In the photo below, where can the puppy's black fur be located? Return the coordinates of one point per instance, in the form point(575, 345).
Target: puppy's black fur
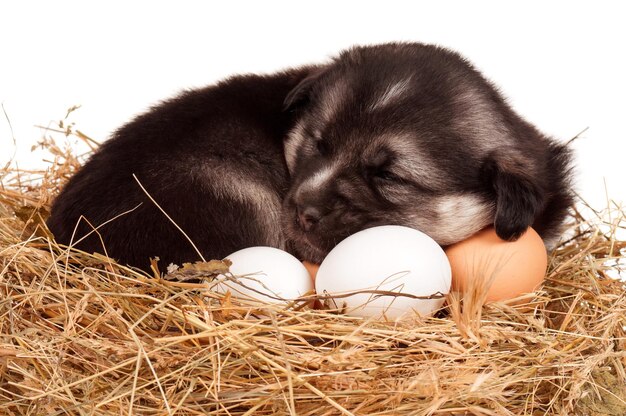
point(190, 153)
point(406, 134)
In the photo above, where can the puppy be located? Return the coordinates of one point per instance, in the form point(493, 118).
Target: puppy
point(400, 133)
point(413, 135)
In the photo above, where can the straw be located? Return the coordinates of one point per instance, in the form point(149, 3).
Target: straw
point(81, 334)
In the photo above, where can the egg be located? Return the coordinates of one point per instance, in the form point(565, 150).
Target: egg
point(393, 259)
point(312, 268)
point(505, 269)
point(266, 274)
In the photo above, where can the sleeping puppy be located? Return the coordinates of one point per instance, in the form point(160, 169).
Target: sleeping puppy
point(406, 134)
point(412, 135)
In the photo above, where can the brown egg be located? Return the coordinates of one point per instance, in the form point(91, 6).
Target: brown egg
point(312, 268)
point(505, 269)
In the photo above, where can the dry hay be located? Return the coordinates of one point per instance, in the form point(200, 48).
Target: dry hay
point(80, 334)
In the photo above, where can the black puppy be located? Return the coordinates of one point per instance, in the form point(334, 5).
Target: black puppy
point(413, 135)
point(406, 134)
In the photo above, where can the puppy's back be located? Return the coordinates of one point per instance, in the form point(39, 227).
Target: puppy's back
point(211, 158)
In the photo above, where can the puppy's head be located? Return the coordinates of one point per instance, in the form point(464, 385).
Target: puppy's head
point(402, 134)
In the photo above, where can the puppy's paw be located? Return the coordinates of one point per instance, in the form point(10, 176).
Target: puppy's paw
point(518, 201)
point(510, 227)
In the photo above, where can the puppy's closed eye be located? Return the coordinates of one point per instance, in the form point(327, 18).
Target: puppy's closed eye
point(386, 175)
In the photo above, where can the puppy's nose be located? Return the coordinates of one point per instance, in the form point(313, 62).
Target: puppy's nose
point(308, 216)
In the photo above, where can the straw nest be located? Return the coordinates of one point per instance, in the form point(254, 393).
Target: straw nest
point(80, 334)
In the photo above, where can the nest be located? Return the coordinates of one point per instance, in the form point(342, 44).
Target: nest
point(80, 334)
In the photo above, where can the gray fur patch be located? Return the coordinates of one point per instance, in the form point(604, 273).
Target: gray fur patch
point(393, 93)
point(456, 217)
point(316, 181)
point(333, 99)
point(292, 145)
point(478, 119)
point(231, 183)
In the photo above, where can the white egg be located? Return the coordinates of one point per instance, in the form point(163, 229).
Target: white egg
point(266, 274)
point(388, 258)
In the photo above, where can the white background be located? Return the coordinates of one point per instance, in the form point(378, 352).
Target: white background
point(560, 63)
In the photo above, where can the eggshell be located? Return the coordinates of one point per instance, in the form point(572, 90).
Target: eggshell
point(265, 273)
point(505, 269)
point(312, 268)
point(387, 258)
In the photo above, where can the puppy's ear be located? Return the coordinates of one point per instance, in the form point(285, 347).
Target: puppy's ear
point(519, 198)
point(300, 95)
